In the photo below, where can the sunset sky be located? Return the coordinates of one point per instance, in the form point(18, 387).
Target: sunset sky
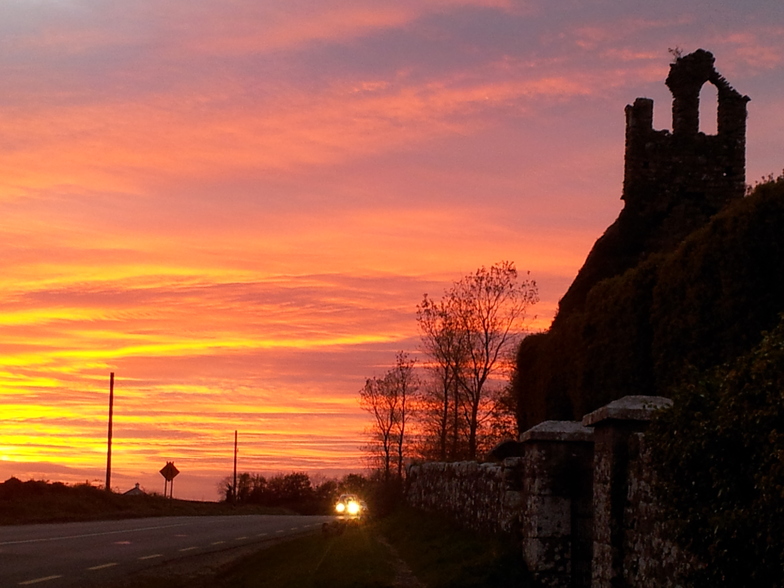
point(236, 205)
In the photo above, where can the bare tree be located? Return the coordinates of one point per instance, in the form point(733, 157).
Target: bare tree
point(441, 418)
point(388, 400)
point(469, 335)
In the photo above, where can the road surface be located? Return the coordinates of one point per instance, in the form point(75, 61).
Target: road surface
point(96, 553)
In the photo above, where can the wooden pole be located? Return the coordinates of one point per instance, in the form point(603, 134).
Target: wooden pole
point(234, 493)
point(108, 486)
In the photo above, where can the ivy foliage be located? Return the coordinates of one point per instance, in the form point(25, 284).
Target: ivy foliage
point(699, 305)
point(719, 457)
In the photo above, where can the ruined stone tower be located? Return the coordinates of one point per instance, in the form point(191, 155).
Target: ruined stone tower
point(674, 181)
point(686, 169)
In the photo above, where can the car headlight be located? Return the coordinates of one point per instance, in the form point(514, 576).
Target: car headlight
point(353, 508)
point(340, 507)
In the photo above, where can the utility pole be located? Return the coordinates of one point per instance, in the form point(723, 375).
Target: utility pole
point(234, 492)
point(108, 486)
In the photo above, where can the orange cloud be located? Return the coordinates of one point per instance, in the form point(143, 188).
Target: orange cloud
point(237, 208)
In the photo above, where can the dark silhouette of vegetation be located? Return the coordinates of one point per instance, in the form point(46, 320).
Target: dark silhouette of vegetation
point(719, 455)
point(298, 493)
point(294, 491)
point(389, 401)
point(469, 337)
point(38, 501)
point(699, 305)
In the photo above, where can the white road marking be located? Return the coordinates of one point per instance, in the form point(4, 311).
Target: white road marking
point(188, 548)
point(102, 567)
point(38, 580)
point(218, 543)
point(280, 531)
point(151, 556)
point(63, 538)
point(240, 538)
point(262, 534)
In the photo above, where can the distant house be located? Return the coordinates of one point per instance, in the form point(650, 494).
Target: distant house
point(135, 491)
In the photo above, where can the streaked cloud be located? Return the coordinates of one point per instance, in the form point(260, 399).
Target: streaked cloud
point(236, 207)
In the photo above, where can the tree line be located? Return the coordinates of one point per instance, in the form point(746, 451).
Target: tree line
point(294, 491)
point(454, 402)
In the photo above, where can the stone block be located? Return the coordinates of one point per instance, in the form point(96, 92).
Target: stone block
point(546, 555)
point(547, 516)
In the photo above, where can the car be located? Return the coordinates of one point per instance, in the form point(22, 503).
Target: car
point(350, 505)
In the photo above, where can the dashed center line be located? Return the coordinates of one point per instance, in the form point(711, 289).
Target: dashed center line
point(102, 567)
point(151, 556)
point(38, 580)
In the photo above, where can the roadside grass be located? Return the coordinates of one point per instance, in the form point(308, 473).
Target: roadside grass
point(440, 554)
point(352, 559)
point(443, 555)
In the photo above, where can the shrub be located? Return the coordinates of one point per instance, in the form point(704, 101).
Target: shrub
point(719, 454)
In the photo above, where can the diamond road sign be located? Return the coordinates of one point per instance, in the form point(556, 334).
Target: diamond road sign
point(169, 471)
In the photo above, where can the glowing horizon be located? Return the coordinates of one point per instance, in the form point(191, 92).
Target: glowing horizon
point(237, 211)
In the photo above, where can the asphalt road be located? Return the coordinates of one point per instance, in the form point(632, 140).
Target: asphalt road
point(81, 554)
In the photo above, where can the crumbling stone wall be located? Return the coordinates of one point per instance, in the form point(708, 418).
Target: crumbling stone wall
point(581, 499)
point(485, 497)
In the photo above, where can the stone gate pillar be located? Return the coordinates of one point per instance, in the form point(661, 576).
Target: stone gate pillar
point(557, 509)
point(614, 425)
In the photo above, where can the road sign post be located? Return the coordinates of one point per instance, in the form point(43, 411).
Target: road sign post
point(169, 472)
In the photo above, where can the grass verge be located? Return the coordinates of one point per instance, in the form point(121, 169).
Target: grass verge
point(352, 559)
point(440, 554)
point(443, 555)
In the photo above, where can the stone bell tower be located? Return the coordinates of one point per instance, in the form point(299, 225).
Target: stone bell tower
point(674, 181)
point(686, 171)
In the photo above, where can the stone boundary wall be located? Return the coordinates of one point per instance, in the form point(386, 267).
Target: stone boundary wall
point(651, 557)
point(484, 497)
point(580, 498)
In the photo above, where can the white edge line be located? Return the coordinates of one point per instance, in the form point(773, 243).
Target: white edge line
point(37, 580)
point(102, 534)
point(102, 566)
